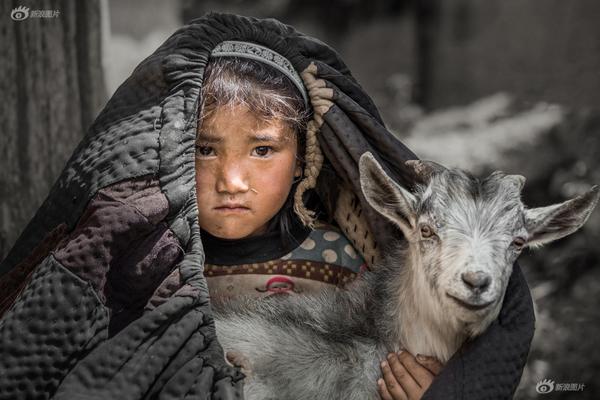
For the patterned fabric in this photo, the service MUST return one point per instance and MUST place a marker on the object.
(324, 258)
(328, 245)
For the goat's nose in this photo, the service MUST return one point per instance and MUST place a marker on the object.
(477, 281)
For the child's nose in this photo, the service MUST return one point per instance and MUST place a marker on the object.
(232, 179)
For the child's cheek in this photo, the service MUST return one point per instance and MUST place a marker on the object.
(274, 183)
(204, 183)
(277, 175)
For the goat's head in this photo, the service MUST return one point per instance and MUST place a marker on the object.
(464, 233)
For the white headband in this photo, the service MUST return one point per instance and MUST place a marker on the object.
(257, 52)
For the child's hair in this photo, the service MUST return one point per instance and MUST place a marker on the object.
(269, 94)
(235, 81)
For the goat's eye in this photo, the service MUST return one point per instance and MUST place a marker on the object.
(426, 231)
(519, 243)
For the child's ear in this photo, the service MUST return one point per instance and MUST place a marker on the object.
(298, 170)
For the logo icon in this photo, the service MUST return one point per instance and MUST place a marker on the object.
(544, 386)
(20, 13)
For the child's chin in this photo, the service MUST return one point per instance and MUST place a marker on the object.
(235, 232)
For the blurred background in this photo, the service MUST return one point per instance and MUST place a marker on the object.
(502, 84)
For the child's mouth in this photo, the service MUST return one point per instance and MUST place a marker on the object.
(232, 209)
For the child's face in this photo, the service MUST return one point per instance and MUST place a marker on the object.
(235, 153)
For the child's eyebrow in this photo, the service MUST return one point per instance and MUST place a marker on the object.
(264, 138)
(207, 137)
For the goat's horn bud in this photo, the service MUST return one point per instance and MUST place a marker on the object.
(424, 170)
(518, 180)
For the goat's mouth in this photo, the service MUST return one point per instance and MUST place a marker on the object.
(470, 306)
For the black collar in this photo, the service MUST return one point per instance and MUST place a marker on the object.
(254, 249)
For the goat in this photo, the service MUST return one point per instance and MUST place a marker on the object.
(440, 284)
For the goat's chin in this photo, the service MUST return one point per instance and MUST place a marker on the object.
(477, 327)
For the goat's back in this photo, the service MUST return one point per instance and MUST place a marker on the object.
(319, 346)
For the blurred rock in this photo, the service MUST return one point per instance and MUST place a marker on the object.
(488, 135)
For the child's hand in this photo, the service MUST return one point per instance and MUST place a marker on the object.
(237, 359)
(406, 377)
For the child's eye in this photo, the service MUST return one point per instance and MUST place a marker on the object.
(263, 151)
(204, 151)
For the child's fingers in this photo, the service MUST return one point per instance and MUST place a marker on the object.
(239, 360)
(405, 379)
(419, 373)
(383, 391)
(392, 385)
(431, 363)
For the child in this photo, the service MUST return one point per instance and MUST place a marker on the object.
(251, 137)
(250, 158)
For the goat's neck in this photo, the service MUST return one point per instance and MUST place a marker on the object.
(412, 315)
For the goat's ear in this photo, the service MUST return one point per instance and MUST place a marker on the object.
(546, 224)
(386, 196)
